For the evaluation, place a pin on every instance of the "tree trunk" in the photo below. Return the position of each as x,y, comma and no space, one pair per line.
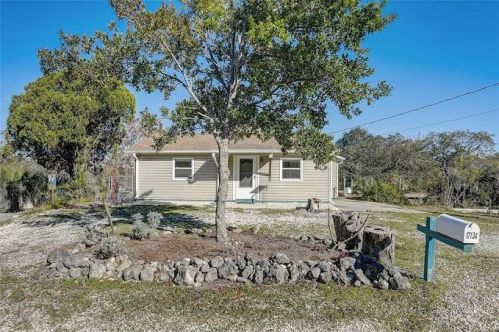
223,187
348,229
108,213
379,242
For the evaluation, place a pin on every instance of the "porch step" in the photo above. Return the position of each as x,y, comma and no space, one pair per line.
245,201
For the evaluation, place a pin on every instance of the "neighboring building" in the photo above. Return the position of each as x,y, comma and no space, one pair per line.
259,172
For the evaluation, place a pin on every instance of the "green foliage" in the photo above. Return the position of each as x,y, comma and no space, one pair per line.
30,187
11,170
66,121
383,192
265,68
109,247
456,168
154,219
141,230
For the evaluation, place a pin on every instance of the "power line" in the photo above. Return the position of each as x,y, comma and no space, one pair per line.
419,108
445,121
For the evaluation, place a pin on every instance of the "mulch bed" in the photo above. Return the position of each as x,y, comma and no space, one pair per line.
162,248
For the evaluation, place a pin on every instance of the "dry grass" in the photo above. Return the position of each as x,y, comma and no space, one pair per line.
462,298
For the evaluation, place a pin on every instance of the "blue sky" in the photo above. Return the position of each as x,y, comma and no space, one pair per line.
433,50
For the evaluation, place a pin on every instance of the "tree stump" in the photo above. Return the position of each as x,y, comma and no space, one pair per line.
347,226
379,242
313,205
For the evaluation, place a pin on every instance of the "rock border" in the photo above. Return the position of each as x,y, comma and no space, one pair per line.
352,268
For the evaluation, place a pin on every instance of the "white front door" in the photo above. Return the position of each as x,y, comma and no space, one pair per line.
246,180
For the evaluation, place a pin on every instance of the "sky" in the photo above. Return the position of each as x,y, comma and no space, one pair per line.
434,50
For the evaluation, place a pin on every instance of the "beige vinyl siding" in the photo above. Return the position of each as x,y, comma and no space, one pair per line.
315,183
155,178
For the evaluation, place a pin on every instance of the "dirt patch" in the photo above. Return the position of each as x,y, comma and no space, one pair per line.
178,246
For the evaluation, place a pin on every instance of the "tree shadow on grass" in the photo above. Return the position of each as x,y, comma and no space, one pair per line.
173,215
60,218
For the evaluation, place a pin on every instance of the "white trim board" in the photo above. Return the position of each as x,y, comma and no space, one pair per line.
301,169
192,168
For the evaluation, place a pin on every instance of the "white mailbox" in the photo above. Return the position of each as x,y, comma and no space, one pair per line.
458,229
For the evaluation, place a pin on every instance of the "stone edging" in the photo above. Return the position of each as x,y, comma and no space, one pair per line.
356,269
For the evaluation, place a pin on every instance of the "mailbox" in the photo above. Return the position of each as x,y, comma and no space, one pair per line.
458,229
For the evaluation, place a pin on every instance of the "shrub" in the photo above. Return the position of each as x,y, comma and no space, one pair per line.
383,192
109,247
137,217
154,219
141,230
31,187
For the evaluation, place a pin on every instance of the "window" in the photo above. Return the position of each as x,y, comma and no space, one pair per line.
183,168
291,169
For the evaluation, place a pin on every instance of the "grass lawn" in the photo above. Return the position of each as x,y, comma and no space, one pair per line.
29,304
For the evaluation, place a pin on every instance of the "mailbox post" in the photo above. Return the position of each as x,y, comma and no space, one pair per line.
452,231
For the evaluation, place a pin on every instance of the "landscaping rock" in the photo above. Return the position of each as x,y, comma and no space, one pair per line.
242,280
196,261
75,261
324,266
240,262
258,277
199,277
347,263
294,273
362,278
57,255
227,269
124,265
216,261
97,270
281,258
247,272
205,267
303,268
381,283
344,278
164,277
399,282
75,272
190,274
60,267
132,273
281,274
211,275
325,277
53,274
85,271
314,273
147,274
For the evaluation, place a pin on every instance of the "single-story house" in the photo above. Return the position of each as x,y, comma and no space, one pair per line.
259,172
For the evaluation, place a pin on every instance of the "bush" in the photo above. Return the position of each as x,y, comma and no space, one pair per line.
109,247
140,229
30,186
154,219
383,192
137,217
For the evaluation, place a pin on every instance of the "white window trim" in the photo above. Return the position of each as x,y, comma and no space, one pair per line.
173,168
301,169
